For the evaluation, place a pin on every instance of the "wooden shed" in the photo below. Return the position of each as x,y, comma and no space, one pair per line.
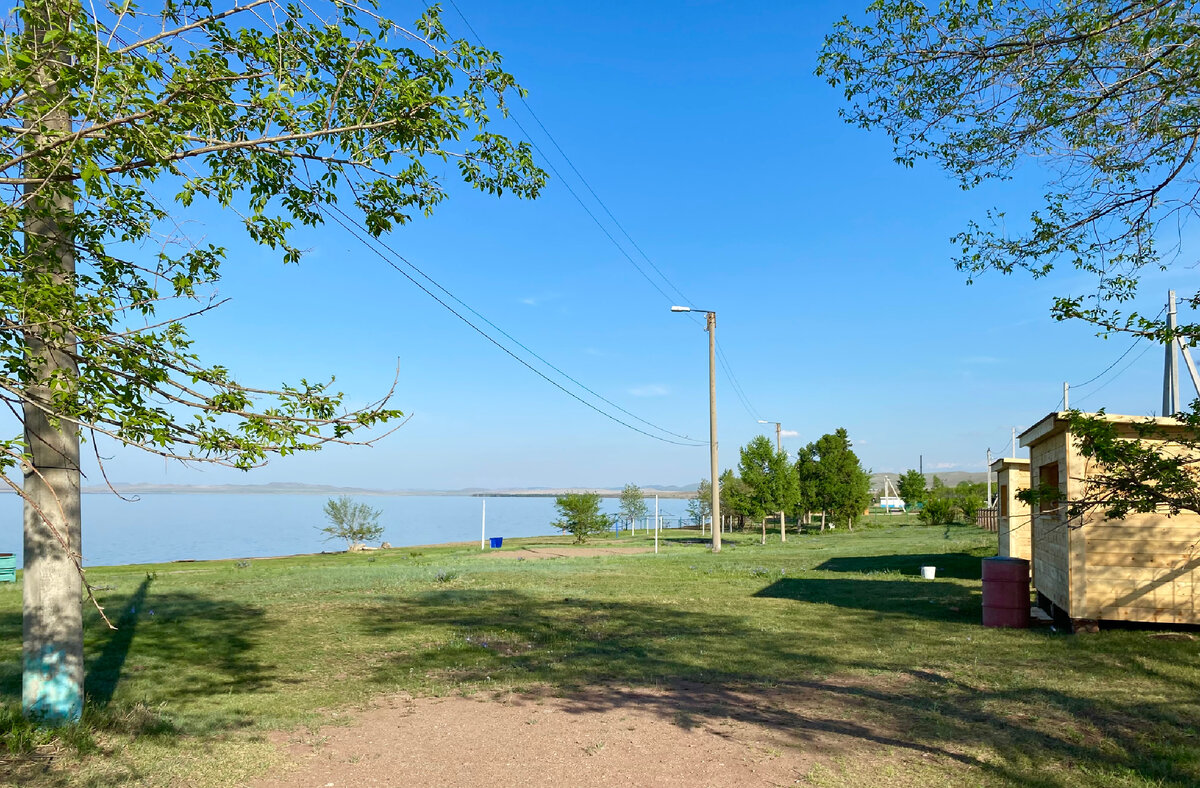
1144,567
1015,529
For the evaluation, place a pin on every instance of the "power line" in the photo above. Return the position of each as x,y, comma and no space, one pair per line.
726,367
363,239
1122,372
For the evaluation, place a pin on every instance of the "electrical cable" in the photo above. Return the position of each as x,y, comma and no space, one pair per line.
363,239
727,368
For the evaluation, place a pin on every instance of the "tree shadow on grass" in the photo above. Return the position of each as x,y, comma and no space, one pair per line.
904,598
698,669
178,645
960,566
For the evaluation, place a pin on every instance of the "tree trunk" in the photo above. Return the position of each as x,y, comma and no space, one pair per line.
850,524
52,659
764,530
782,527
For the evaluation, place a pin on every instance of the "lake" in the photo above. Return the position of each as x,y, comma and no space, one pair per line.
175,526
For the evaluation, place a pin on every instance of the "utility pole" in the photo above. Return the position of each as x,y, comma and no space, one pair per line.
1066,393
989,477
1171,365
52,613
711,327
1014,442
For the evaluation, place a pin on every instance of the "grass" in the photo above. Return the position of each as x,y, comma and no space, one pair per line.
210,656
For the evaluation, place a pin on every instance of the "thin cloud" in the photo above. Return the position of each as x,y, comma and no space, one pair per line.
538,300
650,390
789,434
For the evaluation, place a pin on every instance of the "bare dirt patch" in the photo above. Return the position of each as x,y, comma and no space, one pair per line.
568,552
681,737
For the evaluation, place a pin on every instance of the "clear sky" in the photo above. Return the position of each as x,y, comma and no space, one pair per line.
702,127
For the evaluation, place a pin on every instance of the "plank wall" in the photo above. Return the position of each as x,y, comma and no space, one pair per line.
1015,532
1051,536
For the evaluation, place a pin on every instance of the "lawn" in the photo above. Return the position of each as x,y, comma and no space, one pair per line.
209,657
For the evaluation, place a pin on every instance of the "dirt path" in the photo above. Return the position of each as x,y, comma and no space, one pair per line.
682,738
568,552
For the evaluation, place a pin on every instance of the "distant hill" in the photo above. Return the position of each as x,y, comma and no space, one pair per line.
299,488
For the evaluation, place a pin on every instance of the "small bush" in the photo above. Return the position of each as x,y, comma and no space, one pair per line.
937,511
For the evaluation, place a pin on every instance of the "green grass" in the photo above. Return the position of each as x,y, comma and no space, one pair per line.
210,656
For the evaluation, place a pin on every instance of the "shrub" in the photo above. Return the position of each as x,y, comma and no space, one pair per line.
357,523
579,515
937,511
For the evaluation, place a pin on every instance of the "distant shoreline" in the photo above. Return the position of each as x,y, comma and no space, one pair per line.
284,488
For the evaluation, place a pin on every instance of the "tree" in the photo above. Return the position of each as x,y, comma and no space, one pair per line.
357,523
735,496
806,482
122,124
579,515
769,478
633,504
843,488
700,507
911,487
1099,94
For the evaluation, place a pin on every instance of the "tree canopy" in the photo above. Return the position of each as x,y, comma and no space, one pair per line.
769,478
911,487
633,503
579,515
126,124
1102,96
842,488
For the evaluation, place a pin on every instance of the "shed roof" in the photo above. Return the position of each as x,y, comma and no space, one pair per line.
1010,462
1056,421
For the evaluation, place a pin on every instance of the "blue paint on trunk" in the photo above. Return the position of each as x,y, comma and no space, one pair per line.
49,692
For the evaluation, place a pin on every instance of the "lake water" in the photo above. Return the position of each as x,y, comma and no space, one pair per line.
170,527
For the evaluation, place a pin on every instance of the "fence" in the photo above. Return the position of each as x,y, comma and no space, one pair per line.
988,519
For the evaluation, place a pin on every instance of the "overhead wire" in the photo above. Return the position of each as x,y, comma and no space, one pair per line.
727,368
362,235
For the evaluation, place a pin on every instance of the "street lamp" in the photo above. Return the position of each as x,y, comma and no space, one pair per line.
778,433
711,328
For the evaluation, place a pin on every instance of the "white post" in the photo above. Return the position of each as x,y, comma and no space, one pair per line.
1066,396
656,523
988,471
483,527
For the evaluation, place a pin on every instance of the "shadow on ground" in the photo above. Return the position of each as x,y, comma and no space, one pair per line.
605,655
960,566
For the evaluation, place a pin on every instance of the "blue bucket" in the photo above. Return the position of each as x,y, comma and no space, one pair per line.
497,541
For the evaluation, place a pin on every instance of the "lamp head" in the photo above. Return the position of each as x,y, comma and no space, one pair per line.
681,309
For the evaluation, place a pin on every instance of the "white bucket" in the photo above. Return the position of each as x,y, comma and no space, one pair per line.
928,572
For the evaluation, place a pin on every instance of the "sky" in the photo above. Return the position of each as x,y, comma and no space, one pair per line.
705,132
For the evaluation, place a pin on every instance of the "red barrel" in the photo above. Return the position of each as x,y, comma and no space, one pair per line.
1006,592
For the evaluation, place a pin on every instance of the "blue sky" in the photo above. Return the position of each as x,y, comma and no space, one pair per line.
702,127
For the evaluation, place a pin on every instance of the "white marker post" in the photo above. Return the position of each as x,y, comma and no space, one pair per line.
656,524
483,527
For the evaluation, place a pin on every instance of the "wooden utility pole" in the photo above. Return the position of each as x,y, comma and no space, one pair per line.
52,614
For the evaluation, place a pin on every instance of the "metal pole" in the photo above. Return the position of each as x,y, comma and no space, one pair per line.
1066,393
712,424
778,436
656,523
1171,366
483,526
989,476
1014,442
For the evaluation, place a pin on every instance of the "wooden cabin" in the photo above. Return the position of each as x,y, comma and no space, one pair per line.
1014,528
1144,567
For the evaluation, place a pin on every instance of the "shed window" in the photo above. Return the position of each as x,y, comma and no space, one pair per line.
1004,500
1048,477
